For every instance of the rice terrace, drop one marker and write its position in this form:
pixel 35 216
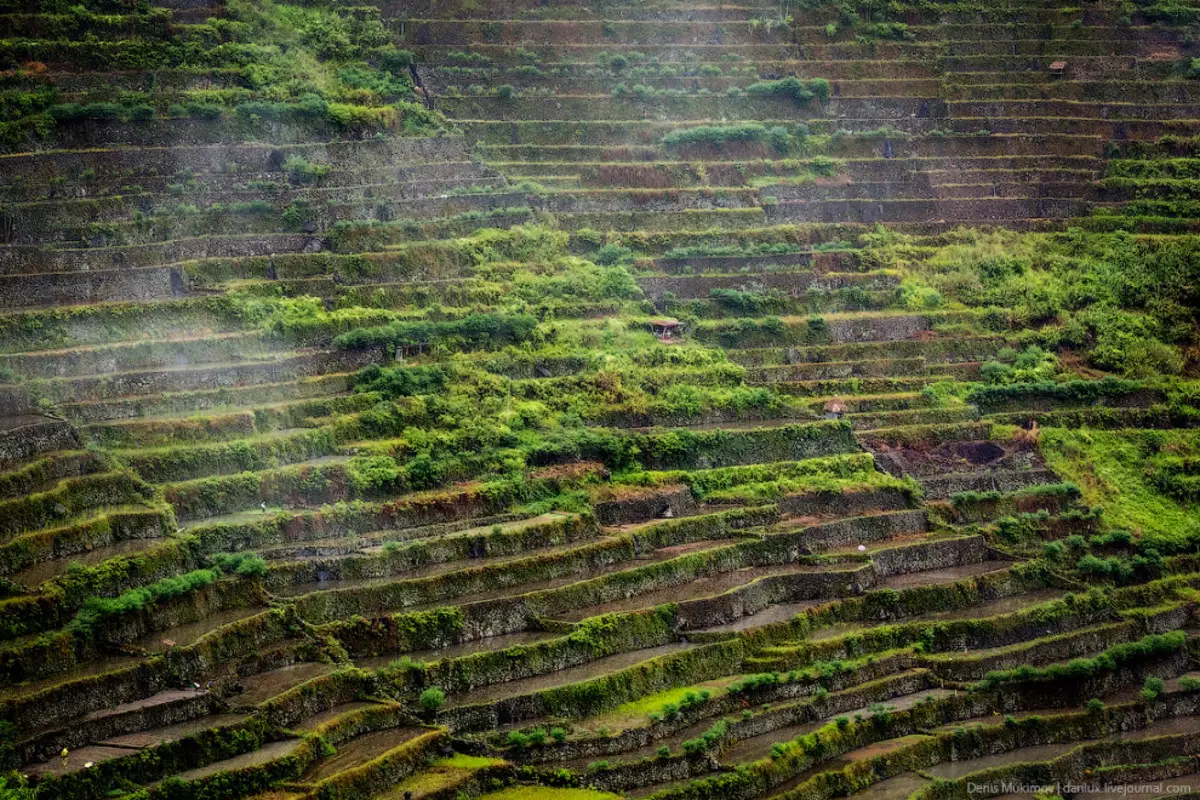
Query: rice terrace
pixel 564 400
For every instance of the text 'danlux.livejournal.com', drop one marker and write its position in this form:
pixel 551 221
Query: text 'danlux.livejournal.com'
pixel 1164 788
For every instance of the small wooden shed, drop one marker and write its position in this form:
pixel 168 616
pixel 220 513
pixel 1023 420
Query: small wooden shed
pixel 834 408
pixel 667 329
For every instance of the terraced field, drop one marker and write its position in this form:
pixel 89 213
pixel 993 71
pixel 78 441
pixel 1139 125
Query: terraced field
pixel 561 401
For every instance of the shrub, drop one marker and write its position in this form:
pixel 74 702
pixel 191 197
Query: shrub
pixel 96 610
pixel 432 699
pixel 798 90
pixel 244 565
pixel 612 254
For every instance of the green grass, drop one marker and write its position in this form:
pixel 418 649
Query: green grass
pixel 547 793
pixel 1110 467
pixel 636 712
pixel 463 761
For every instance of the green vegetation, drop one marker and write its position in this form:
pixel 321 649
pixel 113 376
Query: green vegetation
pixel 780 138
pixel 432 699
pixel 792 87
pixel 1124 300
pixel 1112 468
pixel 96 610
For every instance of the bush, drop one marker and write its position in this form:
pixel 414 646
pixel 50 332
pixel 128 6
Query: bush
pixel 716 135
pixel 432 699
pixel 798 90
pixel 475 330
pixel 612 254
pixel 96 610
pixel 244 565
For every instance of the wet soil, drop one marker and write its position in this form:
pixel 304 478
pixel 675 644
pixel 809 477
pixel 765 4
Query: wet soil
pixel 429 570
pixel 707 586
pixel 360 750
pixel 310 724
pixel 934 577
pixel 184 635
pixel 265 685
pixel 1005 605
pixel 486 644
pixel 268 752
pixel 171 733
pixel 583 672
pixel 769 615
pixel 651 557
pixel 40 573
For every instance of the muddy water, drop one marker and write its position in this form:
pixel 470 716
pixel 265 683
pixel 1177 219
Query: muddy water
pixel 770 614
pixel 902 703
pixel 652 557
pixel 881 544
pixel 96 754
pixel 40 573
pixel 703 587
pixel 94 667
pixel 1182 786
pixel 1006 605
pixel 487 644
pixel 951 770
pixel 759 747
pixel 183 635
pixel 265 685
pixel 360 750
pixel 268 752
pixel 583 672
pixel 674 742
pixel 934 577
pixel 1165 727
pixel 171 733
pixel 309 724
pixel 646 791
pixel 430 570
pixel 1046 752
pixel 897 788
pixel 861 754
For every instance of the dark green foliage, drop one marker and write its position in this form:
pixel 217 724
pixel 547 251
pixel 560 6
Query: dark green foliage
pixel 400 381
pixel 779 137
pixel 432 699
pixel 475 330
pixel 97 610
pixel 1082 668
pixel 798 90
pixel 244 565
